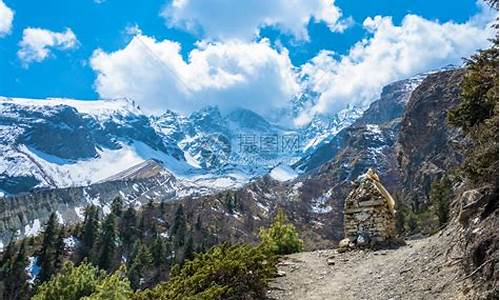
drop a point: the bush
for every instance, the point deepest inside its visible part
(84, 282)
(281, 238)
(224, 272)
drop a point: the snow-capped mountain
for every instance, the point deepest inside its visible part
(56, 143)
(61, 142)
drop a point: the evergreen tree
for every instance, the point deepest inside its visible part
(440, 196)
(47, 257)
(281, 237)
(90, 231)
(59, 250)
(117, 206)
(140, 267)
(128, 227)
(229, 202)
(477, 115)
(107, 243)
(16, 282)
(189, 248)
(179, 228)
(159, 251)
(8, 255)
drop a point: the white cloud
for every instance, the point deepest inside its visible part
(154, 74)
(226, 19)
(6, 18)
(391, 53)
(37, 43)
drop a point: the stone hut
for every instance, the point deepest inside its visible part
(369, 215)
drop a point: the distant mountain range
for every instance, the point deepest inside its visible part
(62, 155)
(55, 143)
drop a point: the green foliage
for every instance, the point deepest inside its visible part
(15, 285)
(479, 90)
(140, 266)
(117, 206)
(112, 287)
(179, 228)
(282, 237)
(440, 196)
(430, 218)
(52, 250)
(90, 231)
(477, 115)
(107, 243)
(84, 282)
(224, 272)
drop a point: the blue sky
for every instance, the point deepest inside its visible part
(67, 71)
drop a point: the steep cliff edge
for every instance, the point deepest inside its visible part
(427, 146)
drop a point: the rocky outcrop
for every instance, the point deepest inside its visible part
(427, 146)
(369, 212)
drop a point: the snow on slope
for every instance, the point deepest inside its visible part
(283, 173)
(110, 162)
(96, 108)
(45, 143)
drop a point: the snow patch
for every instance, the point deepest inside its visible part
(283, 173)
(32, 230)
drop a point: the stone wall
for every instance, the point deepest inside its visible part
(369, 212)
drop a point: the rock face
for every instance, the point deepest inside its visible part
(427, 148)
(369, 212)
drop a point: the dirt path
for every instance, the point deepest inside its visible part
(421, 270)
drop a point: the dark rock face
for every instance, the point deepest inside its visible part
(427, 147)
(62, 135)
(56, 132)
(389, 107)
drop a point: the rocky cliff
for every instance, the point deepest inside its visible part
(427, 147)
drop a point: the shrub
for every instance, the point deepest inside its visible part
(84, 282)
(281, 237)
(224, 272)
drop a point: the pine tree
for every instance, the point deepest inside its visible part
(107, 244)
(159, 251)
(89, 232)
(117, 206)
(48, 253)
(128, 227)
(440, 196)
(281, 237)
(189, 248)
(16, 282)
(140, 266)
(179, 228)
(59, 250)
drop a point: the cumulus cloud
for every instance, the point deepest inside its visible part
(6, 18)
(232, 74)
(391, 53)
(37, 43)
(225, 19)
